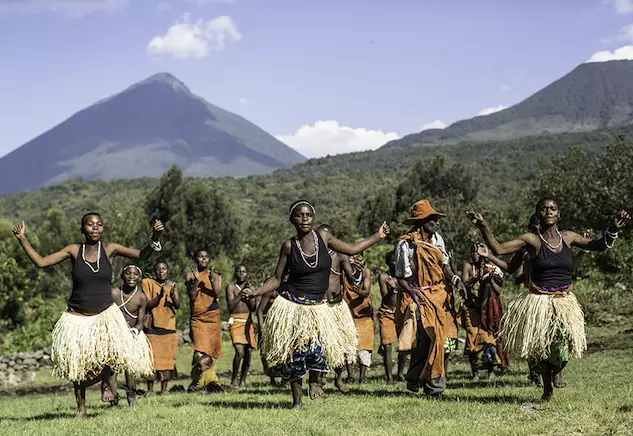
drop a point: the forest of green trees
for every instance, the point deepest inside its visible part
(245, 220)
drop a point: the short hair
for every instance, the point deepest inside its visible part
(298, 203)
(83, 218)
(543, 200)
(200, 250)
(159, 261)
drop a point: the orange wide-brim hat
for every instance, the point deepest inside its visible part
(421, 210)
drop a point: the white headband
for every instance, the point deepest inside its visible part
(132, 266)
(299, 204)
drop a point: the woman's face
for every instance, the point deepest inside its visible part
(202, 259)
(548, 213)
(302, 218)
(92, 227)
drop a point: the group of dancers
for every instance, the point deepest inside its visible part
(314, 314)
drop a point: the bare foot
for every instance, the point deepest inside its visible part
(234, 384)
(242, 383)
(163, 393)
(150, 394)
(296, 406)
(401, 378)
(131, 400)
(81, 414)
(313, 390)
(341, 386)
(107, 396)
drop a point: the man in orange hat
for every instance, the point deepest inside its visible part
(423, 270)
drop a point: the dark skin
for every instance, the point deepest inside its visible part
(192, 278)
(472, 274)
(237, 305)
(161, 274)
(340, 263)
(302, 218)
(363, 291)
(265, 302)
(548, 213)
(92, 229)
(387, 284)
(136, 303)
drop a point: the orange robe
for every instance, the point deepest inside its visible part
(206, 328)
(162, 331)
(362, 312)
(387, 321)
(434, 312)
(242, 329)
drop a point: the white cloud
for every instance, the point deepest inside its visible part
(623, 7)
(329, 137)
(491, 110)
(622, 53)
(189, 39)
(437, 124)
(244, 100)
(67, 7)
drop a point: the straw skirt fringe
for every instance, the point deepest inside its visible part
(84, 345)
(343, 318)
(533, 322)
(291, 327)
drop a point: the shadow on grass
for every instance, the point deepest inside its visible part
(49, 416)
(239, 404)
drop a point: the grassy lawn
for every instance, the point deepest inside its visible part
(599, 400)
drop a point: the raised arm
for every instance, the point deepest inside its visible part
(42, 261)
(115, 249)
(356, 247)
(497, 247)
(610, 235)
(273, 282)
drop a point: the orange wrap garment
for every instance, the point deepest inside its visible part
(206, 328)
(433, 310)
(243, 330)
(386, 318)
(362, 312)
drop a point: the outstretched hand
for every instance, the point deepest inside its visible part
(19, 230)
(620, 219)
(159, 228)
(384, 231)
(476, 218)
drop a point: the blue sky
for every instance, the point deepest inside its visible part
(324, 76)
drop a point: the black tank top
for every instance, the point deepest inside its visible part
(552, 270)
(303, 281)
(92, 291)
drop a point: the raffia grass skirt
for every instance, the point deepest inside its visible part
(533, 322)
(291, 327)
(343, 318)
(84, 345)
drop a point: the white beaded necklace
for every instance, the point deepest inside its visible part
(315, 254)
(83, 255)
(550, 245)
(128, 300)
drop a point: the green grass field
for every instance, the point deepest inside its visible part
(598, 400)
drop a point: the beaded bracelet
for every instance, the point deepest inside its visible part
(156, 246)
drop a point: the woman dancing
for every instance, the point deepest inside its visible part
(91, 341)
(546, 323)
(300, 333)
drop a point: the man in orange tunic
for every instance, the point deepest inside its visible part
(204, 287)
(160, 324)
(422, 269)
(356, 294)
